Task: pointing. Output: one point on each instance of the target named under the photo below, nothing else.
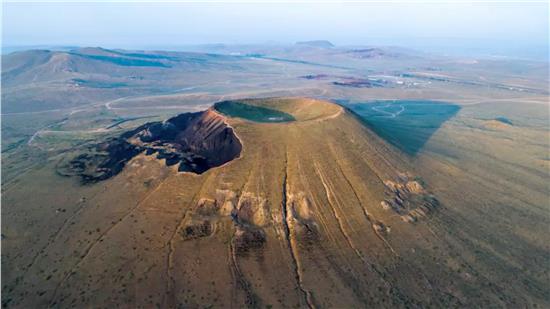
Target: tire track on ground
(370, 218)
(375, 269)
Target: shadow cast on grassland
(406, 124)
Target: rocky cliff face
(194, 141)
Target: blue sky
(142, 24)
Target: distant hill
(317, 43)
(62, 79)
(373, 52)
(35, 65)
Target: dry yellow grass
(295, 221)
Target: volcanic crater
(314, 199)
(195, 142)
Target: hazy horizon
(509, 29)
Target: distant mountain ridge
(317, 43)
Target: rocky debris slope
(195, 141)
(407, 197)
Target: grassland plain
(316, 212)
(151, 236)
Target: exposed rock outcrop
(195, 141)
(407, 197)
(248, 238)
(301, 219)
(196, 230)
(248, 213)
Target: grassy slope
(119, 242)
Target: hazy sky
(172, 24)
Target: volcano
(278, 202)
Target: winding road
(390, 114)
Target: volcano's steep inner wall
(195, 141)
(210, 137)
